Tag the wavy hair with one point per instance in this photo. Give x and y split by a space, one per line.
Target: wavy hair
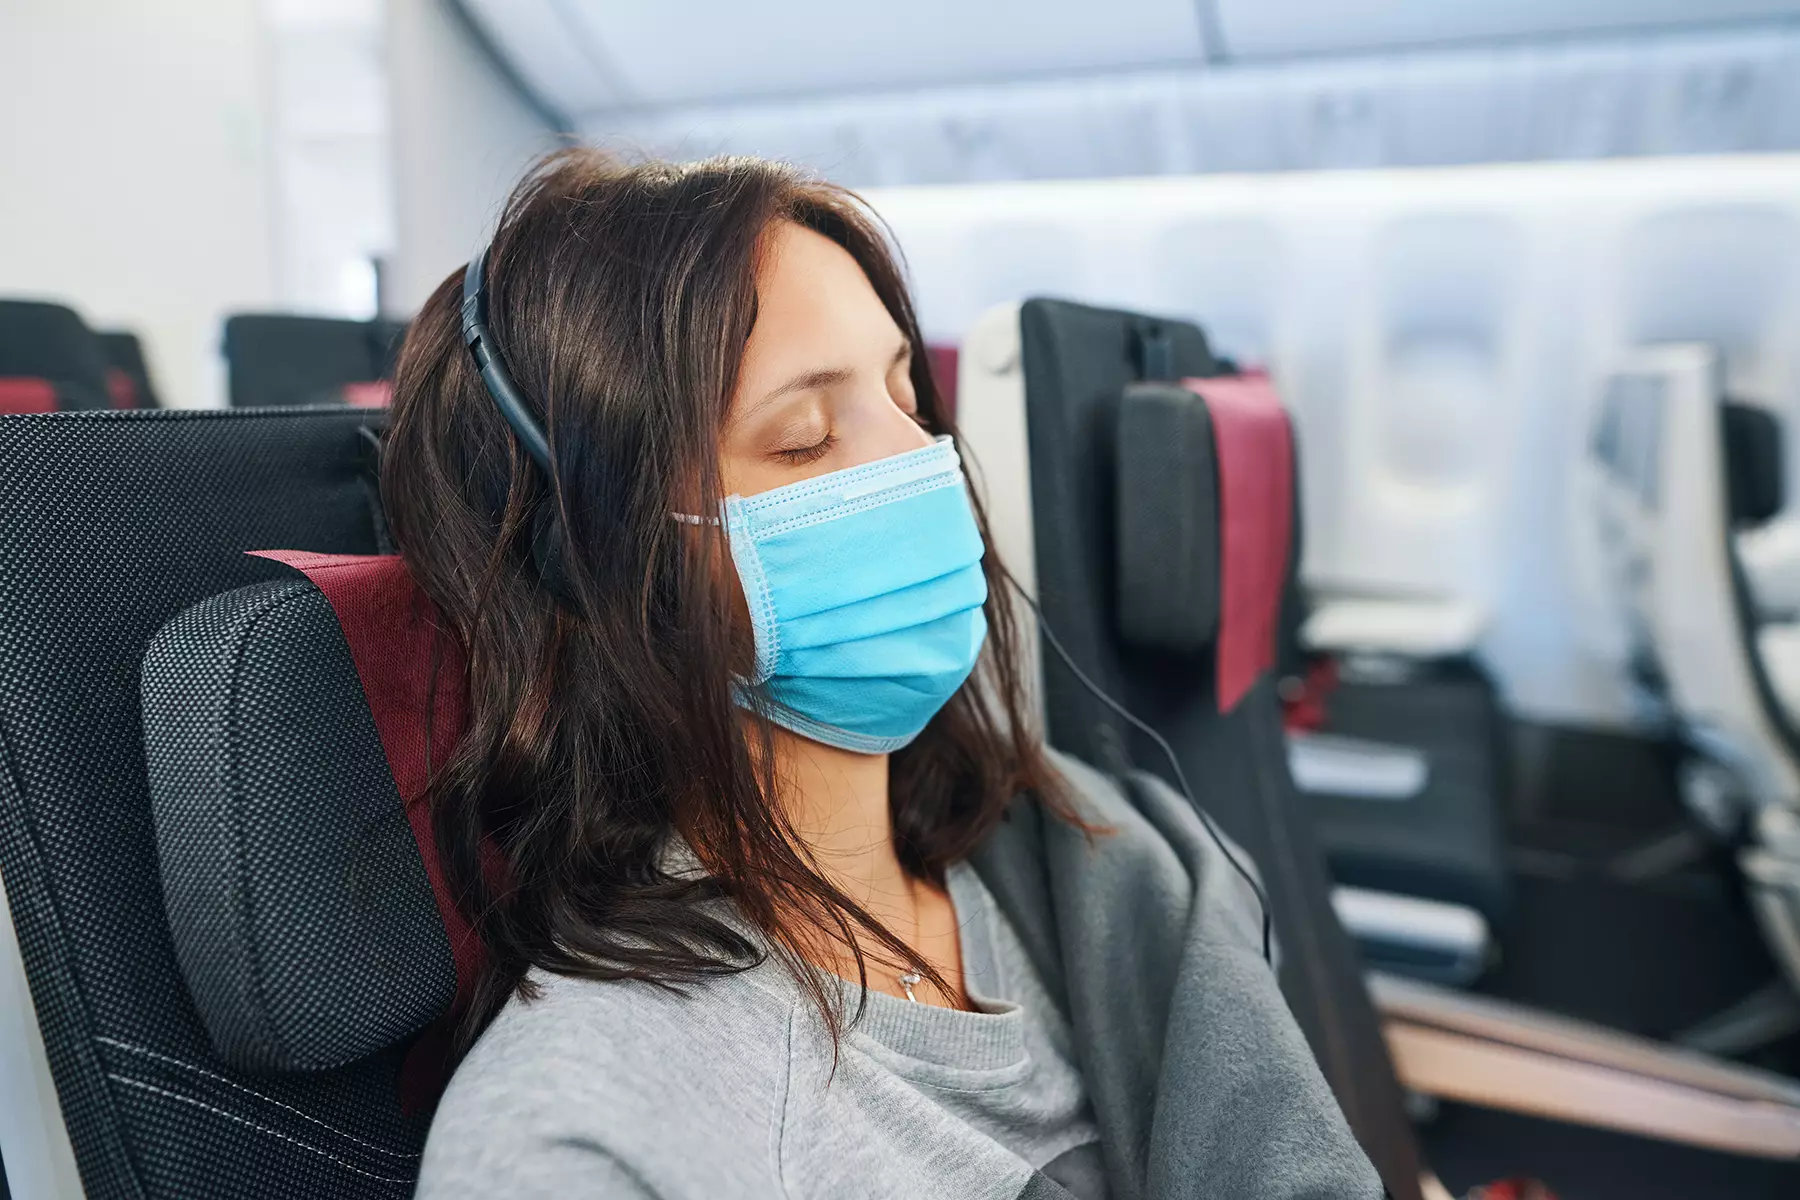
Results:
601 731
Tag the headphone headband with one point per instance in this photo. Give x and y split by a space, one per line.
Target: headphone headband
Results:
486 351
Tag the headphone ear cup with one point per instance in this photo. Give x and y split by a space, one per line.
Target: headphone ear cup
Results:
549 552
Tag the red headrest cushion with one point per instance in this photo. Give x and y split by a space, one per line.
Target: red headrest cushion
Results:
1256 494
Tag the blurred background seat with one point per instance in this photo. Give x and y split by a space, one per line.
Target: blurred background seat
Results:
277 360
48 351
127 375
1683 471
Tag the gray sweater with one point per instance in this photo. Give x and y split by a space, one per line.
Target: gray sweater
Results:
1138 954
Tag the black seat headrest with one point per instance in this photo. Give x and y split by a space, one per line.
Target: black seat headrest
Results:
51 342
1204 522
277 359
1754 484
1085 371
128 378
308 915
1168 520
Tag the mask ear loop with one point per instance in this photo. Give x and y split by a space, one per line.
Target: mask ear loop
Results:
1143 727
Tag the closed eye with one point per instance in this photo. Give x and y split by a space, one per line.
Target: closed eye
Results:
802 455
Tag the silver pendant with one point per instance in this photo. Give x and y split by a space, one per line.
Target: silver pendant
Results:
907 980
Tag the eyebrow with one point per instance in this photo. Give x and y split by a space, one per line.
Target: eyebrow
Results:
823 379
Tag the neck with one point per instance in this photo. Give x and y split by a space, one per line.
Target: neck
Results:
837 802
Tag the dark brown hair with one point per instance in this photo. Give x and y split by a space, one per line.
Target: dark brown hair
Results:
601 727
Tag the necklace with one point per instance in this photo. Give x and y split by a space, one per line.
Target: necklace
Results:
910 979
907 980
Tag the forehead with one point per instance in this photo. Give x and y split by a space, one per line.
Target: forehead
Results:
809 289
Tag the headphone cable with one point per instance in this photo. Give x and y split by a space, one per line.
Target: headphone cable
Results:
1162 743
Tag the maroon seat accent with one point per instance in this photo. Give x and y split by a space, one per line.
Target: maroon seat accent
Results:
413 674
376 394
1256 488
19 396
943 373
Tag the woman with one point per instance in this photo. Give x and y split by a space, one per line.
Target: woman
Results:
780 896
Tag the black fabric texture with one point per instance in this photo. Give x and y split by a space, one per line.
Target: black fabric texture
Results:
302 916
1167 520
110 525
279 360
1077 363
50 341
125 353
1446 843
1754 482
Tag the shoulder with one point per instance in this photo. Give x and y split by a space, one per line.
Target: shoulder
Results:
1151 831
616 1077
1097 796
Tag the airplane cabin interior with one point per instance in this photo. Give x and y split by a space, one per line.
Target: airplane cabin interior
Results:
1385 410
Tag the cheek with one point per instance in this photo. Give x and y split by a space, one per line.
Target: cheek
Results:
746 474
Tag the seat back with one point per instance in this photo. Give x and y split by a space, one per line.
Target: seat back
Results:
279 360
113 524
48 346
1689 472
1095 485
1676 472
128 378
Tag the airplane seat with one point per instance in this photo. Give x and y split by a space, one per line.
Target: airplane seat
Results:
1680 472
1397 739
1754 443
280 360
1406 776
127 376
1154 534
115 1078
50 360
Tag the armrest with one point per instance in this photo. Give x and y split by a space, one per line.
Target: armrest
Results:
1493 1054
1447 943
1412 627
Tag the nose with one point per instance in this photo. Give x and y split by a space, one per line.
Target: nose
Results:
882 429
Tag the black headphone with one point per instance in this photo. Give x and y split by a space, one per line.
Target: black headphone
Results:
546 525
480 341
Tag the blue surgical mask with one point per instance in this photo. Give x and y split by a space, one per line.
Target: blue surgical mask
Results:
865 591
